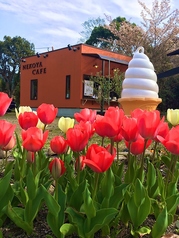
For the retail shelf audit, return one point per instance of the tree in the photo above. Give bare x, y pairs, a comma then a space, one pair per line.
107, 88
102, 37
97, 35
158, 33
89, 26
11, 52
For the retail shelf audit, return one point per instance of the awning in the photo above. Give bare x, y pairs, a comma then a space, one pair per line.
168, 73
104, 57
176, 52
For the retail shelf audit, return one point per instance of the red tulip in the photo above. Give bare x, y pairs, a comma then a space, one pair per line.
58, 145
11, 144
98, 158
148, 122
137, 147
6, 132
116, 114
86, 126
162, 130
34, 139
171, 140
109, 125
57, 168
129, 129
118, 137
85, 115
5, 102
27, 119
47, 113
136, 113
77, 139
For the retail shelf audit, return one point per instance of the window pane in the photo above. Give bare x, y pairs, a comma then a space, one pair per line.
33, 89
67, 93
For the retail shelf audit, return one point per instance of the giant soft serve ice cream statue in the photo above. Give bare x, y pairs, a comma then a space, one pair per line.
139, 88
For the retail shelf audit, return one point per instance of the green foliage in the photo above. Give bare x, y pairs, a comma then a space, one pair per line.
104, 87
169, 92
97, 35
11, 52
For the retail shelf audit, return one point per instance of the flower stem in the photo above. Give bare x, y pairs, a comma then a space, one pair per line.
117, 147
56, 190
112, 146
154, 151
142, 160
96, 185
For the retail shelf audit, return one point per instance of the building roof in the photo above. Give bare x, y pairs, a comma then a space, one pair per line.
104, 57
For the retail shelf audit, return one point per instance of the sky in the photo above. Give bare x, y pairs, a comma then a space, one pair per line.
57, 23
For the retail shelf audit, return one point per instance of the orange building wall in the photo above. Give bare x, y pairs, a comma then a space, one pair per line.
51, 73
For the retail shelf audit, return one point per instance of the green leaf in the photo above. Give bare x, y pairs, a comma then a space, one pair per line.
141, 231
161, 184
76, 200
67, 229
172, 203
151, 175
6, 199
103, 217
118, 196
23, 194
107, 184
88, 206
160, 225
50, 201
78, 220
172, 188
131, 171
62, 202
16, 215
32, 207
166, 160
31, 186
4, 184
139, 193
139, 205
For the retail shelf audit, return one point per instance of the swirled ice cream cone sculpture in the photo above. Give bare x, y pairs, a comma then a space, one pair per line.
139, 88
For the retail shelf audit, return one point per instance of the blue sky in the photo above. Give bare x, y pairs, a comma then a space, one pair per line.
57, 23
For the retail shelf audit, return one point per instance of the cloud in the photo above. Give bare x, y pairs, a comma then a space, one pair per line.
60, 22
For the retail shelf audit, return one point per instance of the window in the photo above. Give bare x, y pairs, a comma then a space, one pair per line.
67, 92
33, 89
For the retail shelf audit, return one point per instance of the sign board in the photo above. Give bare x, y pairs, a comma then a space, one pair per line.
88, 88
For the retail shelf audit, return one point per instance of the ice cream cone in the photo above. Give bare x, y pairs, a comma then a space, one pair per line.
129, 104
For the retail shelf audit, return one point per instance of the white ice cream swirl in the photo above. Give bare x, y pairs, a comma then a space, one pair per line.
140, 79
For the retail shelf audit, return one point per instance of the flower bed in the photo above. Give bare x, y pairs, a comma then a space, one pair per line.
86, 189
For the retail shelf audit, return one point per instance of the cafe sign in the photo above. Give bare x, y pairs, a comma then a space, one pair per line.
37, 68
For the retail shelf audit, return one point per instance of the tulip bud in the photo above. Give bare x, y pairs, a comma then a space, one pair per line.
57, 168
30, 157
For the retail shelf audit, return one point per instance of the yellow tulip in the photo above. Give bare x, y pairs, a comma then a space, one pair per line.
173, 116
40, 124
65, 123
22, 109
